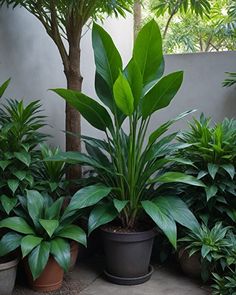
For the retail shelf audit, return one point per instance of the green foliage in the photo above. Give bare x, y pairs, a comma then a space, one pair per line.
230, 80
19, 137
193, 26
124, 163
42, 228
50, 176
225, 284
212, 150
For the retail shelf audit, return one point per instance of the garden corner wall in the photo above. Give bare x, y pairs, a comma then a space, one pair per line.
28, 56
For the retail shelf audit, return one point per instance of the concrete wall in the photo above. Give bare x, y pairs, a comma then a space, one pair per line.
29, 56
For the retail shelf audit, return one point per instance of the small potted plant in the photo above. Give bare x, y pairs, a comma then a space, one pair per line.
43, 231
131, 164
202, 250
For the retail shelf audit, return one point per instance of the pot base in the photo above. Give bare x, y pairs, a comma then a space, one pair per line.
130, 281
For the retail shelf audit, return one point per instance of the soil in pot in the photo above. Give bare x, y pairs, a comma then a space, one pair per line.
50, 279
8, 268
191, 266
127, 255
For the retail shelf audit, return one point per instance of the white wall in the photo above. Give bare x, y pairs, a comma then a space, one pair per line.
29, 56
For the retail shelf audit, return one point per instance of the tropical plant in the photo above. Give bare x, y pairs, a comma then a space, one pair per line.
19, 137
50, 176
133, 168
193, 26
212, 150
41, 228
225, 284
230, 80
64, 22
209, 244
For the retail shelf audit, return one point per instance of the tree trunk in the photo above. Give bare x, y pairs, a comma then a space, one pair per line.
137, 17
73, 121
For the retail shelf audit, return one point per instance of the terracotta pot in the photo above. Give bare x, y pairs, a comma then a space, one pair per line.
7, 276
50, 279
191, 266
74, 250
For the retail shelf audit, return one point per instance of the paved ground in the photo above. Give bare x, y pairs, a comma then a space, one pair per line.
87, 279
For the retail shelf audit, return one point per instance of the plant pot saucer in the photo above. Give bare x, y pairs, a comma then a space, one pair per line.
130, 281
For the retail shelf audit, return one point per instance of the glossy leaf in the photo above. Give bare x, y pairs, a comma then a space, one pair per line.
169, 177
211, 191
9, 242
123, 95
8, 203
213, 169
17, 224
73, 232
49, 225
13, 184
162, 93
101, 214
119, 204
230, 169
28, 243
162, 219
24, 157
148, 54
60, 249
3, 87
38, 259
35, 205
92, 111
53, 211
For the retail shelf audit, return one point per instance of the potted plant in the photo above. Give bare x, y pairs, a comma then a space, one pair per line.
8, 263
202, 250
42, 231
131, 164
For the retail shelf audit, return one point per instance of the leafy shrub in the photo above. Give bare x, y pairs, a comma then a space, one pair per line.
212, 151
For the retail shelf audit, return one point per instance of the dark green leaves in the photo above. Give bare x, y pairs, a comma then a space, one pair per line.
3, 87
17, 224
9, 243
28, 243
161, 94
38, 259
49, 225
60, 249
92, 111
73, 232
148, 54
107, 58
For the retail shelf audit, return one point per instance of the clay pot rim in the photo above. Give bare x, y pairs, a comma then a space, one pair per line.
10, 264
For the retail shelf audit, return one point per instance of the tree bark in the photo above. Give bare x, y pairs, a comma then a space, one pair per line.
137, 17
73, 120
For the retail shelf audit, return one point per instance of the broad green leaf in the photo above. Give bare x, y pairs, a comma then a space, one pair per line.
213, 169
24, 157
123, 95
229, 168
13, 184
53, 211
169, 177
211, 191
88, 196
3, 87
4, 164
20, 174
17, 224
119, 204
9, 242
135, 80
35, 205
49, 225
91, 110
178, 210
73, 232
107, 58
60, 249
28, 243
162, 219
148, 54
38, 259
101, 214
161, 94
8, 203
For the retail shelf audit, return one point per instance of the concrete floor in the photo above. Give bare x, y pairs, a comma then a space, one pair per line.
87, 279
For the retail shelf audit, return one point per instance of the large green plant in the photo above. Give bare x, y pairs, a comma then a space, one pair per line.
41, 228
212, 149
132, 164
19, 137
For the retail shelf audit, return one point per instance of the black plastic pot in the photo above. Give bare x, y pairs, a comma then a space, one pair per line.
128, 256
